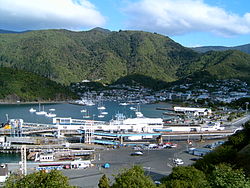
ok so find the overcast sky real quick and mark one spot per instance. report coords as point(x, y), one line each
point(189, 22)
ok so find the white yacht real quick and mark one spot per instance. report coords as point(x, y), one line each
point(123, 104)
point(101, 107)
point(32, 110)
point(89, 103)
point(50, 114)
point(86, 115)
point(101, 116)
point(132, 108)
point(83, 110)
point(41, 112)
point(104, 113)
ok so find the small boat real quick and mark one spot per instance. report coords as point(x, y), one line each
point(104, 113)
point(123, 104)
point(41, 113)
point(101, 107)
point(32, 110)
point(50, 115)
point(52, 109)
point(86, 116)
point(90, 104)
point(83, 110)
point(101, 116)
point(139, 114)
point(132, 108)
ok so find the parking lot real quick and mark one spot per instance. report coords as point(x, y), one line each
point(156, 162)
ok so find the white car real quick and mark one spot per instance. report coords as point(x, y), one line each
point(178, 161)
point(137, 153)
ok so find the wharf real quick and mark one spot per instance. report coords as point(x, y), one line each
point(180, 125)
point(166, 109)
point(172, 114)
point(55, 147)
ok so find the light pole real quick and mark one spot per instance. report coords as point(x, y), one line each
point(247, 103)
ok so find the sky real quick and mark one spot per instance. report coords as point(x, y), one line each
point(191, 23)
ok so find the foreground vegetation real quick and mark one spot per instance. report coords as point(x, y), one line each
point(53, 179)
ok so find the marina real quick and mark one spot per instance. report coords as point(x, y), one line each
point(79, 139)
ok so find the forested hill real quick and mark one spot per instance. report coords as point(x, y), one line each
point(243, 48)
point(66, 56)
point(219, 65)
point(18, 85)
point(99, 54)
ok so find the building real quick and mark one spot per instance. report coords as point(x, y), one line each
point(3, 172)
point(193, 111)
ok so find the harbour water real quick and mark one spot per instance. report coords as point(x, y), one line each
point(10, 157)
point(21, 111)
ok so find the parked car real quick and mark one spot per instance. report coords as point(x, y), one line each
point(178, 161)
point(137, 153)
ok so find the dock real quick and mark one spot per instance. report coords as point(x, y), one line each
point(165, 109)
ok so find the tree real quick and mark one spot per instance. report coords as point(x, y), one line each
point(53, 179)
point(185, 176)
point(133, 178)
point(222, 154)
point(223, 176)
point(104, 182)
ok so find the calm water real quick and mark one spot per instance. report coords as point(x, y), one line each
point(21, 111)
point(10, 158)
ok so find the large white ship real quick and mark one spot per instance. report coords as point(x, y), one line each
point(120, 123)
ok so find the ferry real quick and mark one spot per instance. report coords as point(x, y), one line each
point(120, 123)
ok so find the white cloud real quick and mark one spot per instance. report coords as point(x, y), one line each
point(45, 14)
point(175, 17)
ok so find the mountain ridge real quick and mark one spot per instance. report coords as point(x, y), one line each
point(243, 48)
point(107, 56)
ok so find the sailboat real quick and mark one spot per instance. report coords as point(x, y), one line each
point(83, 110)
point(41, 112)
point(86, 115)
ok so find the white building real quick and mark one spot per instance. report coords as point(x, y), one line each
point(193, 111)
point(3, 172)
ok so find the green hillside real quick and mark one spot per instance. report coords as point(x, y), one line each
point(219, 65)
point(24, 86)
point(66, 56)
point(104, 56)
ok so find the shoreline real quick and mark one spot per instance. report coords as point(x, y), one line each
point(35, 102)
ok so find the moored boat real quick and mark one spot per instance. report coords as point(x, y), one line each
point(32, 110)
point(50, 114)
